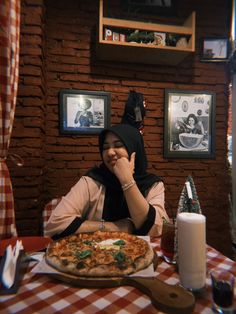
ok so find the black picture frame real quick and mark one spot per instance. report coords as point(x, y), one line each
point(185, 136)
point(83, 112)
point(215, 49)
point(167, 7)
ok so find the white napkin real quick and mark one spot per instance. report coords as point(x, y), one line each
point(9, 268)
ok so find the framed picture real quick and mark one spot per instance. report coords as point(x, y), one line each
point(189, 130)
point(83, 112)
point(215, 49)
point(167, 7)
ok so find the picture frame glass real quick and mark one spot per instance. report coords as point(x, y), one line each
point(215, 49)
point(189, 124)
point(84, 112)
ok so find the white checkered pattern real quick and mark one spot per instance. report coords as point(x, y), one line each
point(9, 62)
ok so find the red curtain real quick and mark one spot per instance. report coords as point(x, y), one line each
point(9, 68)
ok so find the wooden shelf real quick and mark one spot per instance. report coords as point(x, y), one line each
point(140, 52)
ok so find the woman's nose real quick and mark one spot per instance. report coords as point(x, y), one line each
point(111, 151)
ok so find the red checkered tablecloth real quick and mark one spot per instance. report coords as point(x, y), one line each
point(42, 294)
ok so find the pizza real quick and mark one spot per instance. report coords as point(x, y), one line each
point(99, 254)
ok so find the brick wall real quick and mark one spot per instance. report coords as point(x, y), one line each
point(28, 138)
point(57, 52)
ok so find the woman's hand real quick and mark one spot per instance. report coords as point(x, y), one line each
point(125, 225)
point(124, 169)
point(190, 127)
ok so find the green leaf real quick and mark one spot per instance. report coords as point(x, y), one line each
point(83, 254)
point(119, 242)
point(120, 257)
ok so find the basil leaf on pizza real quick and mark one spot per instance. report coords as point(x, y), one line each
point(83, 254)
point(119, 242)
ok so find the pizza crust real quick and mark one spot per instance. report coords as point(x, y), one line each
point(65, 255)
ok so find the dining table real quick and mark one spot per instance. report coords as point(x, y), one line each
point(42, 293)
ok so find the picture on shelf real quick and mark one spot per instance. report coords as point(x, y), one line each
point(160, 38)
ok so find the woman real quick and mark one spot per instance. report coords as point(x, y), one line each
point(194, 125)
point(84, 116)
point(119, 195)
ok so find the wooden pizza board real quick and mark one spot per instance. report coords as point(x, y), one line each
point(167, 298)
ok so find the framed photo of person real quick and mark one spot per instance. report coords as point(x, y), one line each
point(83, 112)
point(215, 49)
point(189, 130)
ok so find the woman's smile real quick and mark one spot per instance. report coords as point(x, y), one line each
point(112, 161)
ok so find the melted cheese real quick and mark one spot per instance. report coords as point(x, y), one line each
point(108, 244)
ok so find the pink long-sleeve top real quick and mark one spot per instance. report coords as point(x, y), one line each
point(86, 199)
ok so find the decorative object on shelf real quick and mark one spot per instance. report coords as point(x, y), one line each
point(171, 39)
point(108, 34)
point(189, 124)
point(83, 112)
point(141, 37)
point(114, 35)
point(182, 42)
point(160, 38)
point(134, 111)
point(215, 49)
point(177, 40)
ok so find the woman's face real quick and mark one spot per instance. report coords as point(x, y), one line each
point(83, 106)
point(191, 121)
point(113, 149)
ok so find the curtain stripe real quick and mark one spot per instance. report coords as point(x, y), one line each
point(9, 63)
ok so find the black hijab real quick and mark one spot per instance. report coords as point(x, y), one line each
point(115, 206)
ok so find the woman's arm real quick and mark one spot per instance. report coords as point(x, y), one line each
point(124, 225)
point(75, 207)
point(138, 205)
point(201, 127)
point(81, 211)
point(155, 199)
point(78, 114)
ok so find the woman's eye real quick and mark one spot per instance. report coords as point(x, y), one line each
point(118, 144)
point(114, 145)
